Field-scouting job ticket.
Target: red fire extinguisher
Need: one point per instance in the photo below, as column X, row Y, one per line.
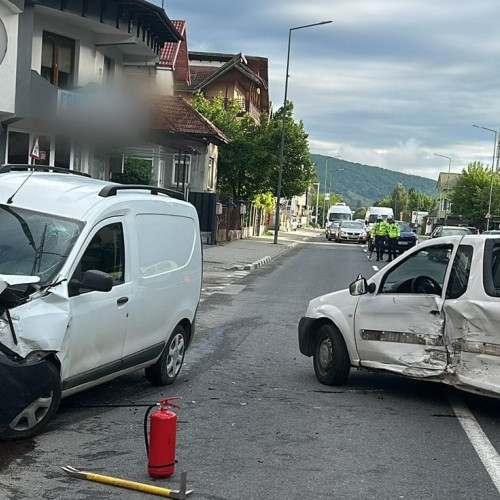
column 162, row 434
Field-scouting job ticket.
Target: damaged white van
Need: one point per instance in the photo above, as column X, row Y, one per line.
column 96, row 280
column 431, row 314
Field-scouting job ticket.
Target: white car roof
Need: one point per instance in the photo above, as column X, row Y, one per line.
column 67, row 195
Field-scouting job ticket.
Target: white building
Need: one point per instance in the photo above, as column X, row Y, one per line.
column 63, row 75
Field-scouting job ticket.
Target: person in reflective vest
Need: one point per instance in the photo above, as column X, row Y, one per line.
column 394, row 232
column 379, row 232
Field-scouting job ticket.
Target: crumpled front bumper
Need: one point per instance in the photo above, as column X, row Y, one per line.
column 21, row 384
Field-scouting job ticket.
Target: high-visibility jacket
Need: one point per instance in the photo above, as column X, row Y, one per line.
column 380, row 229
column 394, row 230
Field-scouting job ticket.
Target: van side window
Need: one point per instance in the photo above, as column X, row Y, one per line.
column 459, row 274
column 105, row 252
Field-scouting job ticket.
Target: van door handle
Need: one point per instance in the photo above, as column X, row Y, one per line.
column 122, row 300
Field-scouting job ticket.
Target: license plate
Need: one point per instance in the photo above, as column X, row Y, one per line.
column 403, row 243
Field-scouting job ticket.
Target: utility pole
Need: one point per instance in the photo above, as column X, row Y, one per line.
column 324, row 199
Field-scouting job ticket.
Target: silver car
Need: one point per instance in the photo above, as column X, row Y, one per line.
column 351, row 230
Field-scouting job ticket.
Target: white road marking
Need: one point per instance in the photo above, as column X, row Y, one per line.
column 484, row 449
column 375, row 268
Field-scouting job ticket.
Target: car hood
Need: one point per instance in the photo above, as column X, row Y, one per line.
column 14, row 279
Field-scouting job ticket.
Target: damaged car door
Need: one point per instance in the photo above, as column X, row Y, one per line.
column 399, row 326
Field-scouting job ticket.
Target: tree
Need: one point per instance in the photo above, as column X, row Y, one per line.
column 248, row 166
column 136, row 171
column 401, row 201
column 420, row 201
column 471, row 194
column 359, row 213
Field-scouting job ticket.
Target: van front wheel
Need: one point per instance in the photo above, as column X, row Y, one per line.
column 33, row 419
column 168, row 366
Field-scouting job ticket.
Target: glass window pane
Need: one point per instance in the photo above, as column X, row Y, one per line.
column 19, row 146
column 63, row 152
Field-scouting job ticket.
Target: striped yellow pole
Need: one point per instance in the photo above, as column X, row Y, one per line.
column 132, row 485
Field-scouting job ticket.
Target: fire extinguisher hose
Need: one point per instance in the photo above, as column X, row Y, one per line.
column 146, row 441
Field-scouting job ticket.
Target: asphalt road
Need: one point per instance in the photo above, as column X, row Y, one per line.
column 255, row 423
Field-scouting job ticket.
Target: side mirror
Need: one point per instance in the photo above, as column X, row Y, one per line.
column 358, row 287
column 97, row 280
column 92, row 279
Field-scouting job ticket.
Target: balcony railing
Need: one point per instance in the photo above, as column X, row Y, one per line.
column 246, row 106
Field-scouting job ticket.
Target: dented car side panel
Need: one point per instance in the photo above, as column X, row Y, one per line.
column 449, row 335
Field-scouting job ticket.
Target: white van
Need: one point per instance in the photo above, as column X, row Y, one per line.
column 339, row 212
column 373, row 212
column 96, row 280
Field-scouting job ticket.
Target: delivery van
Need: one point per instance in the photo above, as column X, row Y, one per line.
column 372, row 213
column 96, row 280
column 339, row 212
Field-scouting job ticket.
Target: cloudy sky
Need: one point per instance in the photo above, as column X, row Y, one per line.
column 389, row 83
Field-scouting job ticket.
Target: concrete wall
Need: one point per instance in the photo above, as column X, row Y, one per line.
column 9, row 15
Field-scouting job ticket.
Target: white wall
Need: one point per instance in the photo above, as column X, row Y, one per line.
column 8, row 68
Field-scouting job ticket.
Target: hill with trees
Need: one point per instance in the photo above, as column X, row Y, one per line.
column 362, row 185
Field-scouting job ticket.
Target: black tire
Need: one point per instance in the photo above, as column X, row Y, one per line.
column 331, row 359
column 169, row 364
column 34, row 418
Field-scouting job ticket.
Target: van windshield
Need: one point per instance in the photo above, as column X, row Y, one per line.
column 373, row 218
column 35, row 244
column 338, row 216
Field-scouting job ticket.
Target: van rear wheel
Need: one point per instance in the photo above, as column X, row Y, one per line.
column 168, row 366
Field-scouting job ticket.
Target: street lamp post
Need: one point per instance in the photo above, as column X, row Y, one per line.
column 488, row 215
column 447, row 187
column 317, row 199
column 282, row 145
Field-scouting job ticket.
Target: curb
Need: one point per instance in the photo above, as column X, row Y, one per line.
column 260, row 262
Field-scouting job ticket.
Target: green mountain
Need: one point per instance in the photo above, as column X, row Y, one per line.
column 363, row 185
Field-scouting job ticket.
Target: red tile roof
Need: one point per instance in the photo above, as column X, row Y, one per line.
column 168, row 54
column 173, row 114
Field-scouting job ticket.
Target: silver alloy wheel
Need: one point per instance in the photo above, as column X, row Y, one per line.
column 32, row 414
column 175, row 355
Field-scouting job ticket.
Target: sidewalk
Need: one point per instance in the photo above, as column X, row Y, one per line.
column 253, row 252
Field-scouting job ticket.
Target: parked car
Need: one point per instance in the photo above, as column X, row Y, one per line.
column 350, row 230
column 294, row 223
column 407, row 239
column 440, row 231
column 331, row 230
column 96, row 280
column 417, row 318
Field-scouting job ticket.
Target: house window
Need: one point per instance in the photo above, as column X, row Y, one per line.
column 181, row 171
column 58, row 59
column 211, row 174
